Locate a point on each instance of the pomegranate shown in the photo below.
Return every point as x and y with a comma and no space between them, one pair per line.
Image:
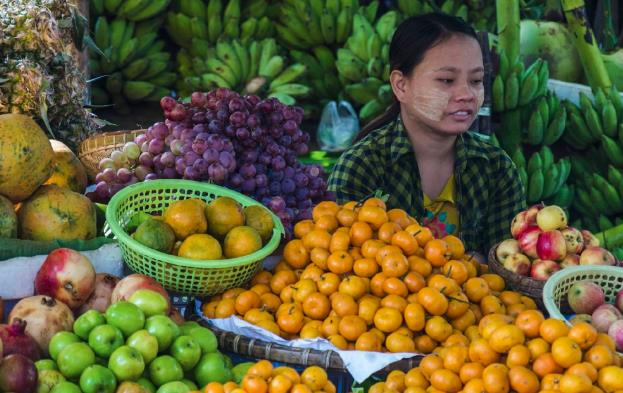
44,316
67,276
100,298
16,340
18,374
128,285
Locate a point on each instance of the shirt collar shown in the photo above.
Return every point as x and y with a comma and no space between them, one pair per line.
466,146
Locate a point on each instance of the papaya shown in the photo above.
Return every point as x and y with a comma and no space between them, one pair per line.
57,213
8,218
68,171
25,156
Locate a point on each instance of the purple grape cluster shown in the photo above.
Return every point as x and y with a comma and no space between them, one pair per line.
242,142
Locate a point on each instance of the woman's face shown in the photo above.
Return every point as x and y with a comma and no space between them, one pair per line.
445,91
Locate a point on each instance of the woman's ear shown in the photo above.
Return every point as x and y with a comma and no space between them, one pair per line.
398,82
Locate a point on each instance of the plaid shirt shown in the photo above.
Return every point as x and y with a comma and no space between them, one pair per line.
489,190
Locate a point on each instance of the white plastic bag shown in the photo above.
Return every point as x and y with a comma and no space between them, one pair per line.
339,124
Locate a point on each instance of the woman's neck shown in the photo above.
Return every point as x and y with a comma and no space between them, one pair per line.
429,146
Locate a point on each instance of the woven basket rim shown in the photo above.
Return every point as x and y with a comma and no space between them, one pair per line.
85,148
299,356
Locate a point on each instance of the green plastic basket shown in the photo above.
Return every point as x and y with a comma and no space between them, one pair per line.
182,275
610,278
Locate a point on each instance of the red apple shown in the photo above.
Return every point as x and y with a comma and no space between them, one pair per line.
130,284
604,316
597,256
573,239
589,239
585,296
532,211
66,275
528,240
543,269
506,248
518,263
519,224
570,260
551,245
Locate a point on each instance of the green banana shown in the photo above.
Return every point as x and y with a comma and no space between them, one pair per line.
102,34
283,98
511,91
215,22
342,26
225,51
547,157
145,43
96,7
231,18
504,66
604,223
265,28
127,51
371,109
223,70
386,25
117,32
609,119
498,93
610,193
598,200
535,186
137,90
364,91
563,197
131,7
358,45
155,68
535,131
152,9
211,80
375,67
327,26
245,62
615,177
385,93
584,199
112,5
581,130
519,159
612,150
528,88
164,79
523,176
288,75
333,6
556,128
292,89
273,68
349,65
550,181
326,57
615,99
157,94
199,29
600,98
543,107
248,29
254,58
114,83
534,163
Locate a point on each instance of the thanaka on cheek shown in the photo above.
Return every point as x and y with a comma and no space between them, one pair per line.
431,104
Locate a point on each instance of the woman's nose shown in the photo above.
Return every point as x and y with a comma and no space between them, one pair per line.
464,92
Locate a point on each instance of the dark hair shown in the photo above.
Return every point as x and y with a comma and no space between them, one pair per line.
413,37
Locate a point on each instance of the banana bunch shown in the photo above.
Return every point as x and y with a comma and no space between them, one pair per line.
601,195
135,64
363,64
415,7
543,178
199,22
482,15
597,121
321,76
544,121
479,13
132,10
515,86
304,24
255,67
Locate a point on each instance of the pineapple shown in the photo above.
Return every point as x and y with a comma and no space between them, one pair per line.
39,74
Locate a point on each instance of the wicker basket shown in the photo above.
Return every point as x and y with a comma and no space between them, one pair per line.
525,285
609,278
96,147
291,356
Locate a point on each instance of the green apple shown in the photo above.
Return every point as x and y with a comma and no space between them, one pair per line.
188,326
125,316
126,363
145,343
205,338
45,364
97,379
104,339
191,385
164,329
240,370
59,341
174,387
146,383
86,322
212,368
74,359
186,351
47,379
66,387
151,302
165,369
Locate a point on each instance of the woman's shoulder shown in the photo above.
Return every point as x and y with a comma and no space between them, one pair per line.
482,145
374,144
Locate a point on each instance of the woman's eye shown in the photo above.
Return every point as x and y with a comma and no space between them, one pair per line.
446,81
477,81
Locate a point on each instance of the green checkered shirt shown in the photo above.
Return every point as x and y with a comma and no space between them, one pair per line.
489,191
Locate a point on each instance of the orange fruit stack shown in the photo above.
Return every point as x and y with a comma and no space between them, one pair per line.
371,279
525,354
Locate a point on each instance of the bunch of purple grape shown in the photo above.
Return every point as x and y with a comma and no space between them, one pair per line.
242,142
